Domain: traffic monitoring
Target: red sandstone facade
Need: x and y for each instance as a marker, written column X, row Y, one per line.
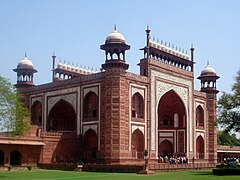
column 112, row 116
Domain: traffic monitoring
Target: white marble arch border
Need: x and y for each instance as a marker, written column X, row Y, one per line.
column 86, row 127
column 88, row 89
column 138, row 90
column 135, row 127
column 70, row 98
column 38, row 97
column 198, row 133
column 185, row 93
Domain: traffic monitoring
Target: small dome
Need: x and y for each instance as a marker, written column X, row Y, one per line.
column 25, row 63
column 208, row 70
column 115, row 37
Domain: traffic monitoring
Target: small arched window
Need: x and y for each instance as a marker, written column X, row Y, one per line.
column 199, row 116
column 137, row 106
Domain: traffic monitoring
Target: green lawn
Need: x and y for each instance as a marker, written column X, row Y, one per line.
column 39, row 174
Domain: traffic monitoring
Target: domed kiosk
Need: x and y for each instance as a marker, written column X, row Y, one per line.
column 25, row 71
column 115, row 47
column 208, row 79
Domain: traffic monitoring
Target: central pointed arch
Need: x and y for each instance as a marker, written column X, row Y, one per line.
column 62, row 117
column 172, row 122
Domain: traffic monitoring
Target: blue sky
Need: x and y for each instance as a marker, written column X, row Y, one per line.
column 76, row 29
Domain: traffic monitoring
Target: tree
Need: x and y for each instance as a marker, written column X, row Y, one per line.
column 14, row 117
column 229, row 108
column 226, row 139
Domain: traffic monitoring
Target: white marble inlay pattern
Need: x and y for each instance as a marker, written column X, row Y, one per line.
column 92, row 126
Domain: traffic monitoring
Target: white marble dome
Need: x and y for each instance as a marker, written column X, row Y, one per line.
column 25, row 62
column 208, row 70
column 115, row 37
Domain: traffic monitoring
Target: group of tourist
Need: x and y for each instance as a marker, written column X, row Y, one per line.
column 173, row 159
column 228, row 159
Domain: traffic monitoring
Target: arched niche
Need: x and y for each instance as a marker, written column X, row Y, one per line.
column 36, row 113
column 90, row 107
column 90, row 144
column 137, row 106
column 137, row 145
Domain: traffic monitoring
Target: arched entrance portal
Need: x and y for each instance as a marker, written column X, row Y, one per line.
column 200, row 147
column 165, row 148
column 15, row 158
column 90, row 145
column 171, row 124
column 1, row 157
column 62, row 117
column 137, row 144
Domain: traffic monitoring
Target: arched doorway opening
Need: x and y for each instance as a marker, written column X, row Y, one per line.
column 90, row 145
column 62, row 117
column 165, row 148
column 15, row 158
column 199, row 117
column 36, row 113
column 1, row 157
column 137, row 144
column 200, row 147
column 137, row 106
column 172, row 123
column 90, row 107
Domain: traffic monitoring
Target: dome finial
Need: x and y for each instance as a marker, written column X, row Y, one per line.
column 25, row 55
column 115, row 27
column 207, row 62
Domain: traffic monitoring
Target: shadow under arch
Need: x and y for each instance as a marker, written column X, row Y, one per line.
column 15, row 158
column 2, row 157
column 62, row 117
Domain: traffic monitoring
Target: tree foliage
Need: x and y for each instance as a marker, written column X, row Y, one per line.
column 226, row 139
column 229, row 108
column 14, row 117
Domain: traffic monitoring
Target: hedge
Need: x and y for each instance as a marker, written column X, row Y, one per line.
column 226, row 171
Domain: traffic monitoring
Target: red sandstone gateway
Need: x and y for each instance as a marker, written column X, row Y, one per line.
column 112, row 115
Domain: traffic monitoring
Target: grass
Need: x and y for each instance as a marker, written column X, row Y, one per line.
column 39, row 174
